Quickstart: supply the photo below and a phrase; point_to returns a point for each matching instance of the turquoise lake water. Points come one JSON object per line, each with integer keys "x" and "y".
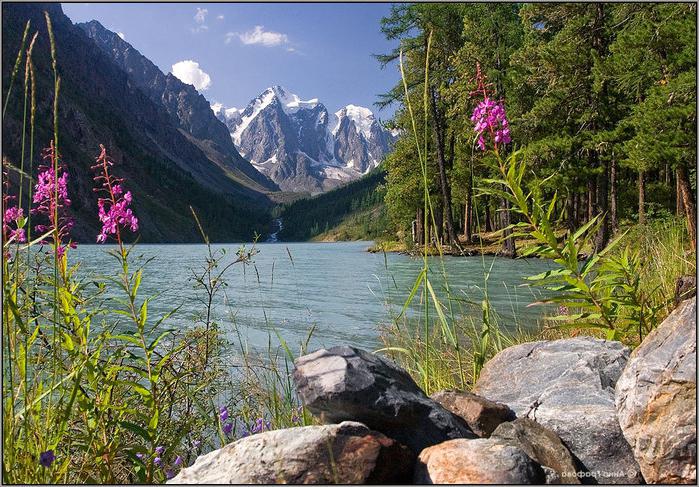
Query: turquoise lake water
{"x": 342, "y": 290}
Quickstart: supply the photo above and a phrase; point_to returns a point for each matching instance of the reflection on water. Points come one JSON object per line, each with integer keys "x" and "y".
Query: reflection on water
{"x": 342, "y": 290}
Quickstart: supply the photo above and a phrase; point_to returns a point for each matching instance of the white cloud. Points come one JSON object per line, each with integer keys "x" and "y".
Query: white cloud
{"x": 220, "y": 17}
{"x": 200, "y": 16}
{"x": 121, "y": 34}
{"x": 260, "y": 36}
{"x": 189, "y": 72}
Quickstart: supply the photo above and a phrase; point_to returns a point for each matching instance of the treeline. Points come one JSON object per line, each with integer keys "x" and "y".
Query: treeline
{"x": 600, "y": 97}
{"x": 309, "y": 217}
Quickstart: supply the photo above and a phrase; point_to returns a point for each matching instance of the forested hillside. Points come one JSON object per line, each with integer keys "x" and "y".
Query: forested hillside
{"x": 600, "y": 97}
{"x": 358, "y": 205}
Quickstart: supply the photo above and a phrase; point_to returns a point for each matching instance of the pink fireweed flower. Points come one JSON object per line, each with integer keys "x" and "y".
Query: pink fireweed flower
{"x": 112, "y": 209}
{"x": 51, "y": 198}
{"x": 489, "y": 116}
{"x": 490, "y": 119}
{"x": 10, "y": 225}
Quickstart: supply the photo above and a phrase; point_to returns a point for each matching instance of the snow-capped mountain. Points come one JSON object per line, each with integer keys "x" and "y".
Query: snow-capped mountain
{"x": 301, "y": 146}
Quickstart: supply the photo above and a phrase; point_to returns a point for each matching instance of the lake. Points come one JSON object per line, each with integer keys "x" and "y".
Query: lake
{"x": 340, "y": 288}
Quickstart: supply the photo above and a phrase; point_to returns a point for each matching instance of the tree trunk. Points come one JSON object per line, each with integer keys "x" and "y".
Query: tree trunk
{"x": 419, "y": 227}
{"x": 590, "y": 199}
{"x": 688, "y": 203}
{"x": 613, "y": 212}
{"x": 602, "y": 237}
{"x": 488, "y": 221}
{"x": 641, "y": 198}
{"x": 570, "y": 212}
{"x": 508, "y": 245}
{"x": 439, "y": 222}
{"x": 468, "y": 208}
{"x": 678, "y": 198}
{"x": 442, "y": 163}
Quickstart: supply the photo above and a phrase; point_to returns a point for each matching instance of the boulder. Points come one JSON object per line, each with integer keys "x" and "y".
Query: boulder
{"x": 543, "y": 446}
{"x": 482, "y": 461}
{"x": 345, "y": 383}
{"x": 568, "y": 386}
{"x": 656, "y": 399}
{"x": 482, "y": 415}
{"x": 345, "y": 453}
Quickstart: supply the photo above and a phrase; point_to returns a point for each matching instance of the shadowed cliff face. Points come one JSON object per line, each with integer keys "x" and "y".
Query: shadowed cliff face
{"x": 166, "y": 167}
{"x": 188, "y": 109}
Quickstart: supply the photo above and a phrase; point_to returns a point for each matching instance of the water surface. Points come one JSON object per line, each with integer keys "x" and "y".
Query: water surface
{"x": 340, "y": 289}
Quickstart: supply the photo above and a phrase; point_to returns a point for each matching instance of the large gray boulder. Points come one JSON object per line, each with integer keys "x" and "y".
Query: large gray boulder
{"x": 348, "y": 384}
{"x": 482, "y": 415}
{"x": 656, "y": 399}
{"x": 482, "y": 461}
{"x": 345, "y": 453}
{"x": 568, "y": 386}
{"x": 543, "y": 446}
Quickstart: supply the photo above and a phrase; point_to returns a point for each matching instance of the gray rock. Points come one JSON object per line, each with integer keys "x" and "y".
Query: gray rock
{"x": 482, "y": 415}
{"x": 482, "y": 461}
{"x": 345, "y": 383}
{"x": 656, "y": 399}
{"x": 543, "y": 446}
{"x": 346, "y": 453}
{"x": 568, "y": 386}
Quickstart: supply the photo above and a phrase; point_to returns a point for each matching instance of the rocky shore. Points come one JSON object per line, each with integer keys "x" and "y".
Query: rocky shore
{"x": 570, "y": 411}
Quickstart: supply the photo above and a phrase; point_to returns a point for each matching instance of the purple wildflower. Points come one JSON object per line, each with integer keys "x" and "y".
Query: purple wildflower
{"x": 46, "y": 458}
{"x": 227, "y": 428}
{"x": 139, "y": 456}
{"x": 259, "y": 426}
{"x": 489, "y": 116}
{"x": 11, "y": 218}
{"x": 223, "y": 413}
{"x": 178, "y": 461}
{"x": 159, "y": 450}
{"x": 196, "y": 443}
{"x": 169, "y": 474}
{"x": 113, "y": 210}
{"x": 157, "y": 461}
{"x": 51, "y": 198}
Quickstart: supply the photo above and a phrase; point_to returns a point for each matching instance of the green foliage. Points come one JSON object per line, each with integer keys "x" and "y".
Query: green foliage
{"x": 309, "y": 217}
{"x": 596, "y": 93}
{"x": 604, "y": 291}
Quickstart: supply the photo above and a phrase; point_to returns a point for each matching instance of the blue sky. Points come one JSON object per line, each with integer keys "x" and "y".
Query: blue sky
{"x": 314, "y": 50}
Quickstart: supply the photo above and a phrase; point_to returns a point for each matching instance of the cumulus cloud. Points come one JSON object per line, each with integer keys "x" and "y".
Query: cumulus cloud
{"x": 259, "y": 36}
{"x": 189, "y": 72}
{"x": 200, "y": 16}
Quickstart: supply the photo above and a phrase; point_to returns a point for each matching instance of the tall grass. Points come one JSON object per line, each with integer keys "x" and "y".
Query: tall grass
{"x": 96, "y": 389}
{"x": 447, "y": 350}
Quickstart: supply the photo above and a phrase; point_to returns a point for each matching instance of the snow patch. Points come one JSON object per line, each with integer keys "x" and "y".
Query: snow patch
{"x": 290, "y": 102}
{"x": 259, "y": 104}
{"x": 362, "y": 117}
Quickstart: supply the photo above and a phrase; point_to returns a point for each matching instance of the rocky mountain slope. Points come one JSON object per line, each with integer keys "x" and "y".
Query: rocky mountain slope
{"x": 188, "y": 108}
{"x": 166, "y": 170}
{"x": 300, "y": 145}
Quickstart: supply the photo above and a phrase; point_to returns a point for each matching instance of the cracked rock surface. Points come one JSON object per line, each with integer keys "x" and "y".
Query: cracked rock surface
{"x": 348, "y": 384}
{"x": 568, "y": 386}
{"x": 345, "y": 453}
{"x": 656, "y": 399}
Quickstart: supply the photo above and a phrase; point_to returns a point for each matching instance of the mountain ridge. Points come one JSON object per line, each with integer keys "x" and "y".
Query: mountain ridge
{"x": 300, "y": 145}
{"x": 165, "y": 171}
{"x": 183, "y": 102}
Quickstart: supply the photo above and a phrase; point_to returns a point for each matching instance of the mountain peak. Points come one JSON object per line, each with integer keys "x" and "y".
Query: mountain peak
{"x": 362, "y": 117}
{"x": 290, "y": 102}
